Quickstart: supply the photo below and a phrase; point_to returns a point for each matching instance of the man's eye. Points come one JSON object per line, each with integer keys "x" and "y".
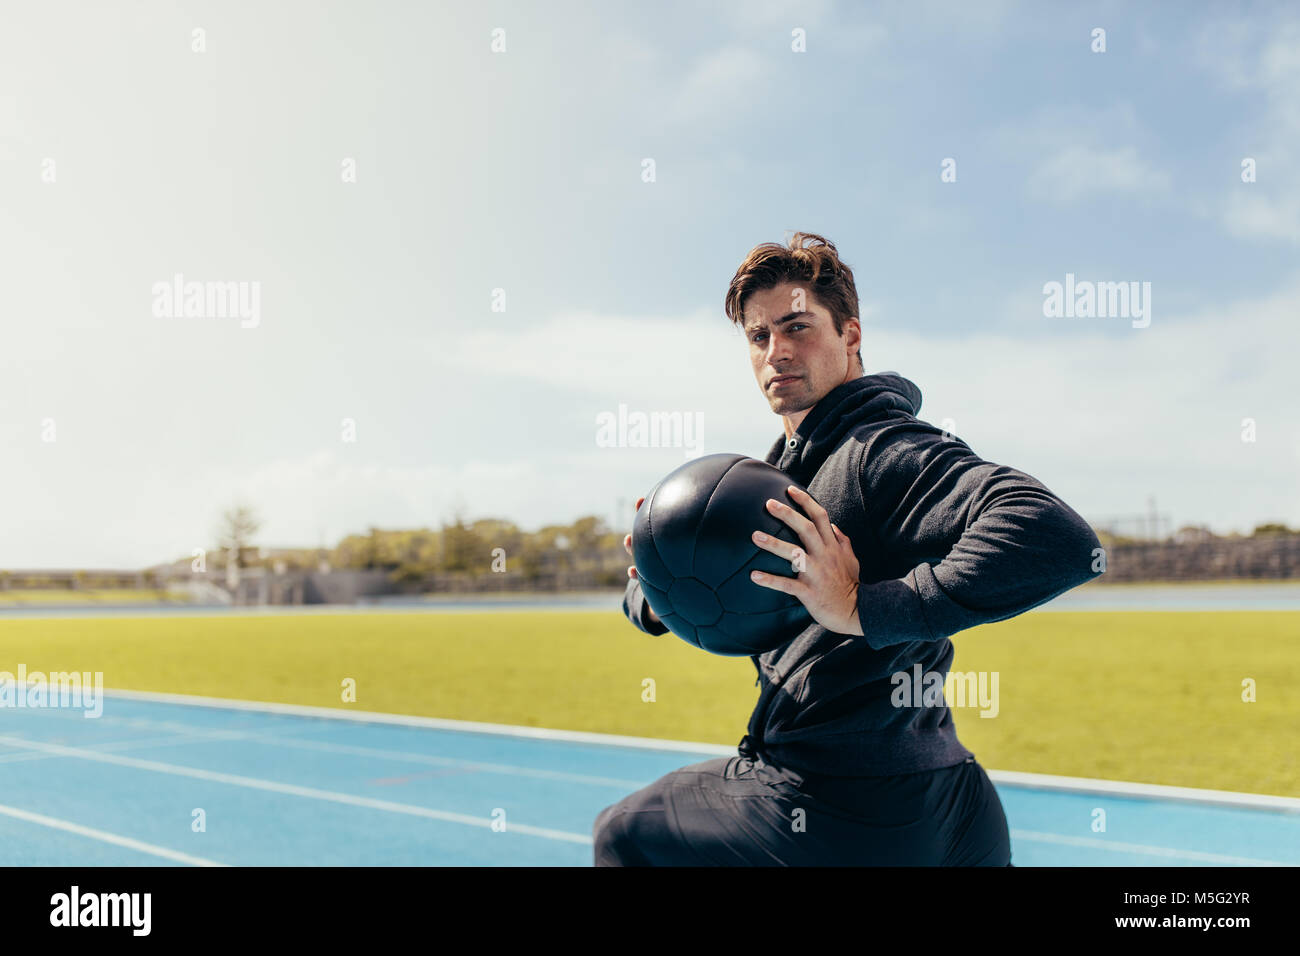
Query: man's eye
{"x": 796, "y": 325}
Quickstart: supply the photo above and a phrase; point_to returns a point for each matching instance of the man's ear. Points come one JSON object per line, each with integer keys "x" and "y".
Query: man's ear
{"x": 852, "y": 323}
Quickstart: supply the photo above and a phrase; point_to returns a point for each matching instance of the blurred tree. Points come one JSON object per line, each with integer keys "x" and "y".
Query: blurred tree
{"x": 234, "y": 537}
{"x": 585, "y": 537}
{"x": 415, "y": 557}
{"x": 1272, "y": 527}
{"x": 462, "y": 549}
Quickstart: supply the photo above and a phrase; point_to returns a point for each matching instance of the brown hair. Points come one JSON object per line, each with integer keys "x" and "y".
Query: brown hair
{"x": 817, "y": 263}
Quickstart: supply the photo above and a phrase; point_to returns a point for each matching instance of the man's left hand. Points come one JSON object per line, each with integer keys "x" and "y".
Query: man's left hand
{"x": 826, "y": 579}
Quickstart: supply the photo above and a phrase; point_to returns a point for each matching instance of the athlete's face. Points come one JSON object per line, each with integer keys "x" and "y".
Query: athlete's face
{"x": 790, "y": 333}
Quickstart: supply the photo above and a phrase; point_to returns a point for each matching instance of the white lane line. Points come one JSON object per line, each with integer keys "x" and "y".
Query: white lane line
{"x": 311, "y": 793}
{"x": 1149, "y": 791}
{"x": 431, "y": 723}
{"x": 509, "y": 770}
{"x": 1229, "y": 798}
{"x": 1035, "y": 781}
{"x": 106, "y": 837}
{"x": 114, "y": 745}
{"x": 1094, "y": 843}
{"x": 283, "y": 738}
{"x": 145, "y": 723}
{"x": 172, "y": 741}
{"x": 356, "y": 751}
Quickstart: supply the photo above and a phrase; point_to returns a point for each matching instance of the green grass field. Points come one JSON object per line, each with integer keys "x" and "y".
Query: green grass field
{"x": 1151, "y": 697}
{"x": 52, "y": 596}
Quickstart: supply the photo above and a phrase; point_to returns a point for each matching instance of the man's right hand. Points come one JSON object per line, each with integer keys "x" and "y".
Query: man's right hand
{"x": 650, "y": 615}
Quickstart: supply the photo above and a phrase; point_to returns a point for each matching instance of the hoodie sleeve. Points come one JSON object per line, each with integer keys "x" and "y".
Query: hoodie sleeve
{"x": 637, "y": 609}
{"x": 992, "y": 541}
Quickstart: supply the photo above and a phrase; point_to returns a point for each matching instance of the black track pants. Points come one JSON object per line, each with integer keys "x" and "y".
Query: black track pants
{"x": 741, "y": 811}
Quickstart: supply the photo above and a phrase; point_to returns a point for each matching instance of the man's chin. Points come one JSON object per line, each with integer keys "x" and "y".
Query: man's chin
{"x": 787, "y": 404}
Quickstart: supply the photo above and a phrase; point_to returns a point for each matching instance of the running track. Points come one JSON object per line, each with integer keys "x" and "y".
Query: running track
{"x": 284, "y": 786}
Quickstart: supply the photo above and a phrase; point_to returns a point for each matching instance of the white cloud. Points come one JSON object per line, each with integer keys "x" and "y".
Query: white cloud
{"x": 1107, "y": 414}
{"x": 1072, "y": 153}
{"x": 1080, "y": 172}
{"x": 959, "y": 17}
{"x": 600, "y": 354}
{"x": 1102, "y": 413}
{"x": 1256, "y": 216}
{"x": 764, "y": 14}
{"x": 724, "y": 84}
{"x": 1261, "y": 61}
{"x": 324, "y": 496}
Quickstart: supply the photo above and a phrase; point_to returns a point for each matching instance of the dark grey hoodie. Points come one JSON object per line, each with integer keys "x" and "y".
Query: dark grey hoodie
{"x": 944, "y": 541}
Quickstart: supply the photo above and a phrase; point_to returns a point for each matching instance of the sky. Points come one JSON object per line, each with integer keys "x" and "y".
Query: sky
{"x": 462, "y": 263}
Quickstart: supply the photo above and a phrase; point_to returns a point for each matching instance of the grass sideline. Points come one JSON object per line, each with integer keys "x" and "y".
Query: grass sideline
{"x": 1153, "y": 697}
{"x": 56, "y": 597}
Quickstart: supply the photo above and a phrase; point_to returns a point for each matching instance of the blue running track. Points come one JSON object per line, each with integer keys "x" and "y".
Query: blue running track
{"x": 290, "y": 787}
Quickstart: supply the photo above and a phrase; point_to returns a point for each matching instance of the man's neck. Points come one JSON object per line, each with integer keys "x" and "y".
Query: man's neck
{"x": 792, "y": 423}
{"x": 791, "y": 426}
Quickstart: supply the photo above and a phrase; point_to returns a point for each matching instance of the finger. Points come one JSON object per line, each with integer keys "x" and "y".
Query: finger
{"x": 627, "y": 543}
{"x": 776, "y": 582}
{"x": 631, "y": 572}
{"x": 815, "y": 511}
{"x": 805, "y": 529}
{"x": 779, "y": 547}
{"x": 638, "y": 503}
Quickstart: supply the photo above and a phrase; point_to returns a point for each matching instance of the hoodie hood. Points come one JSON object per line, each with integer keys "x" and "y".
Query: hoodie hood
{"x": 871, "y": 398}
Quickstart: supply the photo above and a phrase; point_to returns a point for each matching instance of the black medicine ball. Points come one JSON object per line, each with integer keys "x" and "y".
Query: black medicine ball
{"x": 693, "y": 549}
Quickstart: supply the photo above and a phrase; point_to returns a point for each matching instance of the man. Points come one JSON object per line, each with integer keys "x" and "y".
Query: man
{"x": 909, "y": 538}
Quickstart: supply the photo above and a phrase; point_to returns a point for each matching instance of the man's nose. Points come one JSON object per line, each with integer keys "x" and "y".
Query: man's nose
{"x": 778, "y": 350}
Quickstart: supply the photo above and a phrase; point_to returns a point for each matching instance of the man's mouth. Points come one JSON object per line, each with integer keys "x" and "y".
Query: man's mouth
{"x": 783, "y": 380}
